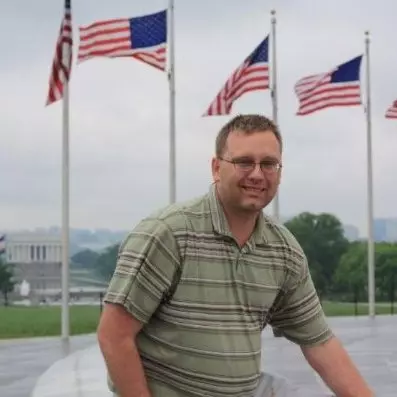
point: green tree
(6, 281)
(106, 262)
(85, 259)
(322, 239)
(351, 273)
(385, 269)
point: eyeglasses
(247, 166)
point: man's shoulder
(281, 238)
(169, 225)
(180, 216)
(277, 233)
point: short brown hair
(248, 123)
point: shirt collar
(220, 223)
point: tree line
(338, 266)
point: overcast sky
(119, 110)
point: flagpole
(65, 328)
(371, 250)
(65, 212)
(276, 204)
(171, 80)
(59, 89)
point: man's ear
(215, 165)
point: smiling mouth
(253, 189)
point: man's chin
(253, 205)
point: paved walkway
(372, 344)
(23, 361)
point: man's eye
(245, 164)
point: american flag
(62, 63)
(251, 75)
(391, 112)
(338, 87)
(144, 38)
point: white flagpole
(276, 204)
(65, 328)
(371, 250)
(171, 79)
(65, 211)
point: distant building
(35, 259)
(385, 229)
(33, 248)
(380, 229)
(391, 230)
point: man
(196, 283)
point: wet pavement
(44, 367)
(23, 361)
(372, 344)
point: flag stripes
(391, 112)
(337, 88)
(62, 62)
(251, 75)
(143, 38)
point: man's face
(243, 185)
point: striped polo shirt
(204, 300)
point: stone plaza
(46, 367)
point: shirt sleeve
(147, 262)
(298, 315)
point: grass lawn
(24, 322)
(348, 309)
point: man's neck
(241, 224)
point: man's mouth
(253, 189)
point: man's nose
(257, 172)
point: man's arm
(117, 331)
(147, 262)
(331, 361)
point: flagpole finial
(273, 12)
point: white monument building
(33, 248)
(36, 260)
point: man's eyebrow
(271, 158)
(250, 158)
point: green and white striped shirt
(204, 300)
